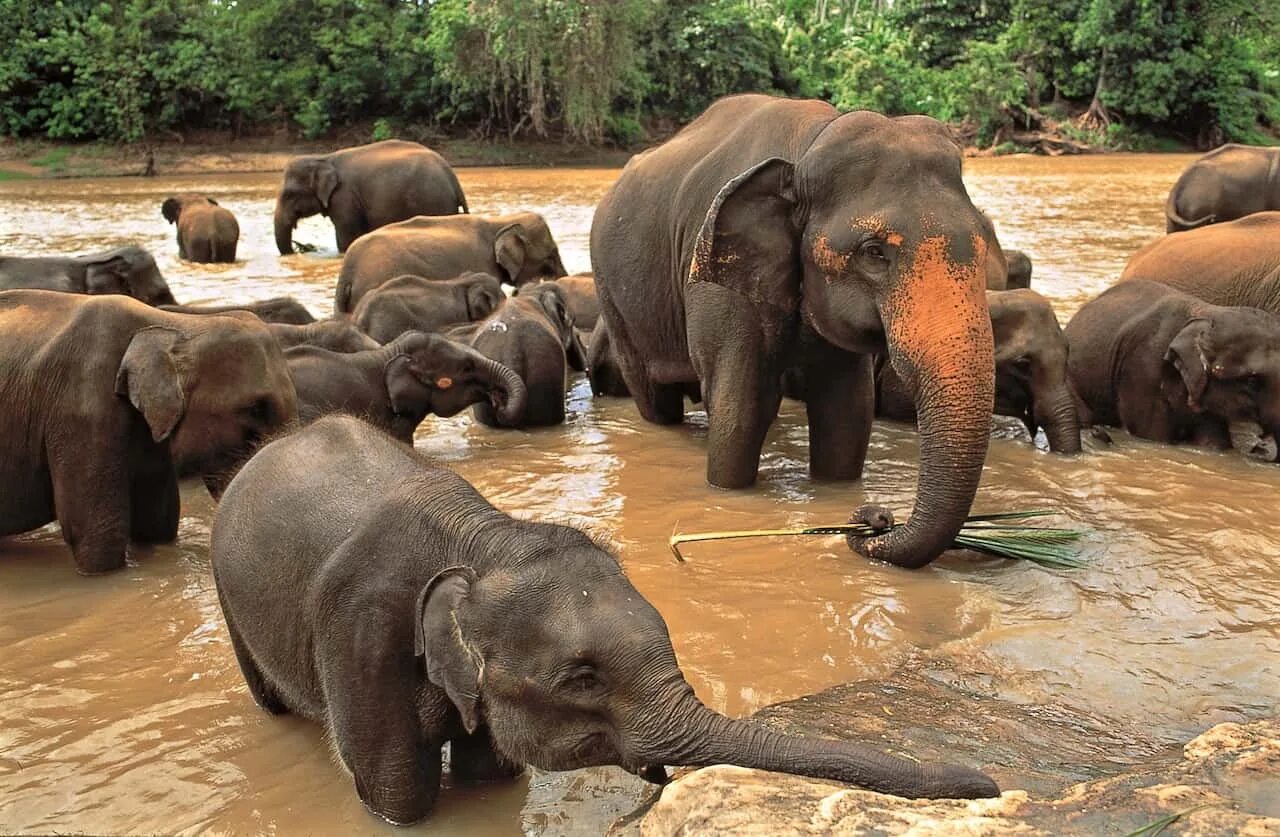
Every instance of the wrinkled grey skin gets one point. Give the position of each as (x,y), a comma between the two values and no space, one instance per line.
(602,366)
(396,386)
(126,270)
(580,295)
(207,232)
(1169,367)
(366,187)
(334,335)
(1019,269)
(1227,183)
(413,303)
(370,591)
(532,334)
(101,398)
(1031,371)
(517,248)
(280,309)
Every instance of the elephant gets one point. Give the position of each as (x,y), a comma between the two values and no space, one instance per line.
(580,294)
(334,335)
(1019,270)
(602,366)
(533,335)
(1031,371)
(128,270)
(412,303)
(396,386)
(1227,183)
(380,595)
(207,232)
(366,187)
(104,395)
(516,248)
(1172,368)
(1232,263)
(777,233)
(280,309)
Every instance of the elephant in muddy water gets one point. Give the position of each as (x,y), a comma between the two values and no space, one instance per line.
(1168,367)
(778,233)
(381,596)
(104,398)
(128,270)
(207,232)
(1227,183)
(334,335)
(1031,371)
(412,303)
(580,295)
(366,187)
(516,248)
(280,309)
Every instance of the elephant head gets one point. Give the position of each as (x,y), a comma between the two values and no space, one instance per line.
(308,187)
(1031,367)
(172,207)
(428,373)
(127,270)
(483,295)
(526,251)
(584,674)
(885,255)
(550,297)
(1226,363)
(1019,269)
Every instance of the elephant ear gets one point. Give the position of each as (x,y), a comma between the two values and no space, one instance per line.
(481,301)
(324,180)
(1189,354)
(509,248)
(453,662)
(405,389)
(748,241)
(110,276)
(149,376)
(171,209)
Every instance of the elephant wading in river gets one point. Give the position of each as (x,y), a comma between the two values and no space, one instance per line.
(206,231)
(280,309)
(334,335)
(126,270)
(1169,367)
(776,233)
(381,596)
(396,386)
(516,248)
(412,303)
(1227,183)
(580,295)
(1031,371)
(364,188)
(101,396)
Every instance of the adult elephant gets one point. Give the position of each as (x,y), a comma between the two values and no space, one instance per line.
(1031,371)
(280,309)
(412,303)
(128,270)
(379,595)
(516,248)
(364,188)
(1234,263)
(773,233)
(1227,183)
(207,232)
(1170,367)
(102,398)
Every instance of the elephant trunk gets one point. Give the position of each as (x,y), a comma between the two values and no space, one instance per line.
(1055,411)
(285,221)
(699,737)
(940,344)
(510,408)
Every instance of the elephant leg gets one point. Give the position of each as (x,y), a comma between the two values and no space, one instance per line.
(92,509)
(472,758)
(154,504)
(840,402)
(1211,432)
(263,694)
(742,402)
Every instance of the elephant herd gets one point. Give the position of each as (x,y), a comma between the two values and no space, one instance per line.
(772,248)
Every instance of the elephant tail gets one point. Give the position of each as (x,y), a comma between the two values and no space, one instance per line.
(342,296)
(459,197)
(1174,222)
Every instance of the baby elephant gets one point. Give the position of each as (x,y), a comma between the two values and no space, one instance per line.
(396,386)
(279,309)
(579,294)
(377,594)
(334,335)
(1169,367)
(533,334)
(206,231)
(412,303)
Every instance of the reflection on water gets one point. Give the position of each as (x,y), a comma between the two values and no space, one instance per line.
(122,710)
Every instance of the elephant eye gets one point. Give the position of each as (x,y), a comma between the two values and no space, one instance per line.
(260,410)
(875,249)
(584,678)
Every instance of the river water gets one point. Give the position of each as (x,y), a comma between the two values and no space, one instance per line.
(122,709)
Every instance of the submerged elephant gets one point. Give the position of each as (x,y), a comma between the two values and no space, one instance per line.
(1031,371)
(776,233)
(580,295)
(334,335)
(280,309)
(126,270)
(1233,263)
(366,187)
(396,386)
(412,303)
(516,248)
(207,232)
(381,596)
(1227,183)
(101,396)
(1167,366)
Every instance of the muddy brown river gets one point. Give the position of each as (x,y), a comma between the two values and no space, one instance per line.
(122,709)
